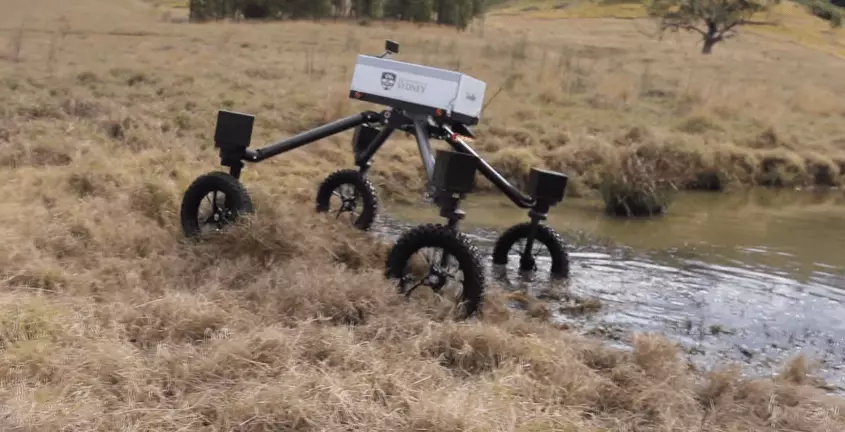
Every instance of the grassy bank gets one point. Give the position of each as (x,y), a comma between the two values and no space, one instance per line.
(113,323)
(109,321)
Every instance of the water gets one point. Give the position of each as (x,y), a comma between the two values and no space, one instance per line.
(753,277)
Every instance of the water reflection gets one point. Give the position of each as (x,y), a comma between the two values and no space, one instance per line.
(753,277)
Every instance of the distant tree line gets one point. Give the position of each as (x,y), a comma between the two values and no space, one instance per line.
(458,13)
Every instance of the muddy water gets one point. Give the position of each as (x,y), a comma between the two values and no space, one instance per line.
(752,278)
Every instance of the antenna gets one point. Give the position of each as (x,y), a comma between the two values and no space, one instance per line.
(508,82)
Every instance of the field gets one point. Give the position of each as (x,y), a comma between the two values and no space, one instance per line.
(108,321)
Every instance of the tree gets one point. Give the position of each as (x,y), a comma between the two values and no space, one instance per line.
(314,9)
(409,10)
(255,9)
(458,13)
(714,20)
(366,8)
(445,13)
(421,10)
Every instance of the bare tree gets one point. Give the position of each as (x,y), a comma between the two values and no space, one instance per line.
(714,20)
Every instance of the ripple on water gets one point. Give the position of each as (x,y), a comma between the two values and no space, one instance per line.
(721,296)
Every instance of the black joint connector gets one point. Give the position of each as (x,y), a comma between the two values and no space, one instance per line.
(540,210)
(373,117)
(449,202)
(230,158)
(397,119)
(251,155)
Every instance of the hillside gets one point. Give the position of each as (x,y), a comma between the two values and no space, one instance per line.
(110,321)
(789,20)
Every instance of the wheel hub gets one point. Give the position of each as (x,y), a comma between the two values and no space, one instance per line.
(219,217)
(436,279)
(348,204)
(527,263)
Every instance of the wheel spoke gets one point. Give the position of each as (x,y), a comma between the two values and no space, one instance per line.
(457,282)
(520,246)
(428,262)
(411,289)
(350,187)
(209,220)
(348,197)
(224,194)
(448,267)
(454,274)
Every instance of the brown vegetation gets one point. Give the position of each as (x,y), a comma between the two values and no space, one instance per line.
(109,321)
(759,113)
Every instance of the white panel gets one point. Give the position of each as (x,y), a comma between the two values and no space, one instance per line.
(421,85)
(403,86)
(470,97)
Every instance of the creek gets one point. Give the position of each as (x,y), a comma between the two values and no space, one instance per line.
(752,277)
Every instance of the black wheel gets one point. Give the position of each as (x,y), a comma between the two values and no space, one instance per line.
(352,192)
(513,241)
(457,265)
(226,198)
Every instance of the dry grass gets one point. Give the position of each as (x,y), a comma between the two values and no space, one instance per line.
(759,111)
(108,321)
(286,323)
